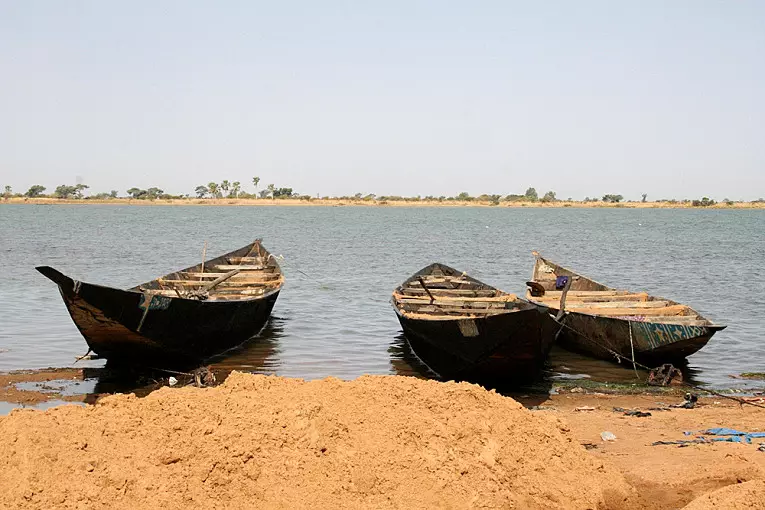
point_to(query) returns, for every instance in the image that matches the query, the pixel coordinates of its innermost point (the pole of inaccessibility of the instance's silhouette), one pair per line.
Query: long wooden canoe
(600, 320)
(464, 329)
(181, 318)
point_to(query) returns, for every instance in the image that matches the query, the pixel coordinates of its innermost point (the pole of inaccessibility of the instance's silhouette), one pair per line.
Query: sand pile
(733, 497)
(256, 441)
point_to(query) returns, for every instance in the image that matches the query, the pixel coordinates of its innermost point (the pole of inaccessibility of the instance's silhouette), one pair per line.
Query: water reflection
(561, 366)
(405, 362)
(259, 355)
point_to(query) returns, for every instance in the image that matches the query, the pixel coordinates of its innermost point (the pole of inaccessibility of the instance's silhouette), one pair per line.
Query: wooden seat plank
(425, 299)
(622, 312)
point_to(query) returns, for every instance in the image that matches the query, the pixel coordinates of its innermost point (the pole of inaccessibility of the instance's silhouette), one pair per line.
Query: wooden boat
(179, 319)
(602, 321)
(464, 329)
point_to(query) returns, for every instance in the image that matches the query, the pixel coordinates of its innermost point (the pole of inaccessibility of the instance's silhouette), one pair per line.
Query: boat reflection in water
(259, 355)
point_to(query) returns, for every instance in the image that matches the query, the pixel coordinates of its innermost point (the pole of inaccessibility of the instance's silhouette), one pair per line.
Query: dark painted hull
(505, 348)
(653, 343)
(173, 332)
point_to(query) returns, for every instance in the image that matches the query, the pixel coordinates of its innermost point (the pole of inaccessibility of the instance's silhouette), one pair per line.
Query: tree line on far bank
(227, 189)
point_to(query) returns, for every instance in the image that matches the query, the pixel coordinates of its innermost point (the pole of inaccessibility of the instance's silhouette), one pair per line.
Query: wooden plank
(451, 292)
(216, 292)
(428, 316)
(241, 276)
(613, 312)
(245, 260)
(557, 293)
(618, 304)
(197, 283)
(643, 296)
(442, 279)
(243, 267)
(498, 299)
(455, 309)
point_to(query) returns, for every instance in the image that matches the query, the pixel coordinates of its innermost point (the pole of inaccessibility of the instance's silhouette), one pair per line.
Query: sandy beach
(375, 442)
(333, 202)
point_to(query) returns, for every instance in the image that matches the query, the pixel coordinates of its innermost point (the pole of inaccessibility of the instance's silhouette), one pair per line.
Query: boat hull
(652, 342)
(140, 328)
(505, 348)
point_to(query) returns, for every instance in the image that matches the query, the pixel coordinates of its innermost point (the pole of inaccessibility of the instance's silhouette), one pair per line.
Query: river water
(333, 317)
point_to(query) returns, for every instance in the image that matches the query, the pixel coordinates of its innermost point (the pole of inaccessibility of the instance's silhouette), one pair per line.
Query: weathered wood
(210, 286)
(443, 316)
(242, 267)
(425, 288)
(231, 283)
(572, 293)
(245, 260)
(623, 312)
(243, 275)
(642, 296)
(619, 304)
(605, 330)
(454, 309)
(498, 299)
(172, 324)
(216, 292)
(451, 292)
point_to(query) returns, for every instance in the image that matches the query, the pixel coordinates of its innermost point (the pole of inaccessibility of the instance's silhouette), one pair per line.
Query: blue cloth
(734, 436)
(560, 282)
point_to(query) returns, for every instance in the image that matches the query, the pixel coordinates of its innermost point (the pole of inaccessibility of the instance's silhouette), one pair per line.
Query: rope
(619, 357)
(632, 347)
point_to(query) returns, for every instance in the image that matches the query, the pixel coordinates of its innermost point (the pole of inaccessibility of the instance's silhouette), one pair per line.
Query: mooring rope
(632, 347)
(619, 357)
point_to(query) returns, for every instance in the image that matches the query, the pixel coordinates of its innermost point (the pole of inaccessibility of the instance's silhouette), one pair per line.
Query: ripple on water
(333, 316)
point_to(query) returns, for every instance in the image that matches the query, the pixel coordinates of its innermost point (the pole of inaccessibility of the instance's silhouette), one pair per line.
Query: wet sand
(641, 476)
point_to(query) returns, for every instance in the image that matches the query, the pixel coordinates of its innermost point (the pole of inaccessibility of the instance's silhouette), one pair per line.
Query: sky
(394, 98)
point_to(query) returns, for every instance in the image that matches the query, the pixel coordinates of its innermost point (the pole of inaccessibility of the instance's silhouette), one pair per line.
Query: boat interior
(439, 292)
(587, 296)
(248, 273)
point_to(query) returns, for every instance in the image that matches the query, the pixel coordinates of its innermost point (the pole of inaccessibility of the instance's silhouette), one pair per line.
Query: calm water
(336, 319)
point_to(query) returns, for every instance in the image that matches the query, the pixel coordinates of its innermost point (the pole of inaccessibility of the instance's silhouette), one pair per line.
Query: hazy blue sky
(393, 97)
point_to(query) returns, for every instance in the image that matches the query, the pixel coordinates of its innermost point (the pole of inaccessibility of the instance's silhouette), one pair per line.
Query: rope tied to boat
(619, 357)
(632, 348)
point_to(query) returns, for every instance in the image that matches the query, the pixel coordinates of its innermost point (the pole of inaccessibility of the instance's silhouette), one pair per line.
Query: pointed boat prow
(56, 276)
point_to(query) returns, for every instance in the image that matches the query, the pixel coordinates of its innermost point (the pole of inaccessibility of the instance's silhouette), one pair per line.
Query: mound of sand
(733, 497)
(256, 441)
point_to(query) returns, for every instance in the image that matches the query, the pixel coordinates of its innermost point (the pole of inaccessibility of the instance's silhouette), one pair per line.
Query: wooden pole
(422, 282)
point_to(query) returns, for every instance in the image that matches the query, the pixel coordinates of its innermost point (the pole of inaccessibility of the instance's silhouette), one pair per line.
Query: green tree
(154, 193)
(704, 202)
(271, 188)
(236, 187)
(8, 192)
(202, 191)
(78, 189)
(464, 196)
(225, 186)
(34, 191)
(531, 195)
(136, 193)
(282, 193)
(263, 193)
(113, 193)
(612, 198)
(645, 196)
(214, 189)
(549, 197)
(255, 181)
(64, 191)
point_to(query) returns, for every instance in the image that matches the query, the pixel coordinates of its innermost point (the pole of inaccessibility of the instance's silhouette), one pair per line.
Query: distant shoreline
(331, 202)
